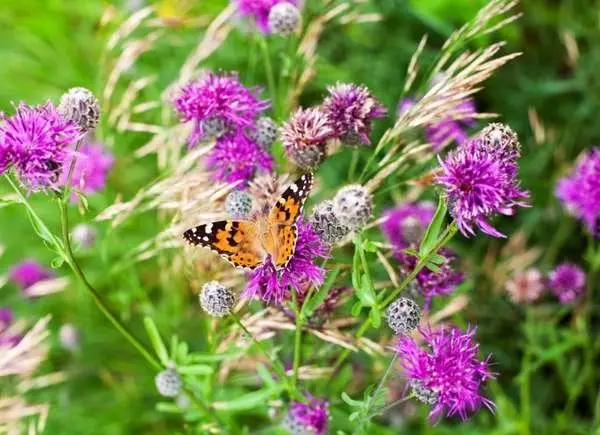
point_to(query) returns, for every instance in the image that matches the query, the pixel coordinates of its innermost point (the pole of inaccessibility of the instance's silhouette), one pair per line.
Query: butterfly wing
(282, 220)
(235, 241)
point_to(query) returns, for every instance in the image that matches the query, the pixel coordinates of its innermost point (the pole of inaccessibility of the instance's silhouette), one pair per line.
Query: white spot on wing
(208, 228)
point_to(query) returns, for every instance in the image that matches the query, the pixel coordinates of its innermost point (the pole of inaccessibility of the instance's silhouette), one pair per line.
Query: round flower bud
(213, 127)
(80, 106)
(216, 299)
(69, 337)
(501, 139)
(168, 383)
(403, 315)
(423, 394)
(84, 235)
(266, 132)
(326, 224)
(353, 205)
(284, 19)
(304, 137)
(238, 204)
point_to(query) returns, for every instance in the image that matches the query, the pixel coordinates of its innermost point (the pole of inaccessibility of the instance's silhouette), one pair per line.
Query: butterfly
(246, 244)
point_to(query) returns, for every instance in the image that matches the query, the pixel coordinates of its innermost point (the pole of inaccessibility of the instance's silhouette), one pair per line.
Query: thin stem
(269, 71)
(64, 219)
(67, 187)
(396, 403)
(297, 338)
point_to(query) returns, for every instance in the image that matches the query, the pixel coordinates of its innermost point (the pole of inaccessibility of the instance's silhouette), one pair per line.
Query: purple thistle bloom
(580, 191)
(259, 10)
(93, 164)
(305, 135)
(307, 418)
(275, 286)
(567, 282)
(218, 97)
(351, 109)
(35, 141)
(405, 224)
(236, 157)
(6, 318)
(448, 366)
(28, 273)
(480, 182)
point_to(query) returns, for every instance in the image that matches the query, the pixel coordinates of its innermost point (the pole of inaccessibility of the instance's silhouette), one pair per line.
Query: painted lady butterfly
(246, 244)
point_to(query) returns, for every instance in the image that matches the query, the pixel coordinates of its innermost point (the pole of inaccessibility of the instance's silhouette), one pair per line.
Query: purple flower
(479, 182)
(305, 135)
(307, 418)
(567, 282)
(93, 164)
(35, 142)
(580, 191)
(236, 157)
(259, 10)
(28, 273)
(273, 285)
(7, 339)
(350, 109)
(448, 367)
(405, 224)
(6, 318)
(220, 98)
(526, 286)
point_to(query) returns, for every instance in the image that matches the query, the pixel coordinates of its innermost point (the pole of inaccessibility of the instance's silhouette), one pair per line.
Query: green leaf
(369, 246)
(317, 299)
(356, 308)
(375, 316)
(356, 267)
(365, 292)
(350, 401)
(196, 369)
(437, 259)
(433, 230)
(411, 251)
(157, 343)
(248, 401)
(433, 267)
(266, 376)
(57, 262)
(199, 357)
(168, 408)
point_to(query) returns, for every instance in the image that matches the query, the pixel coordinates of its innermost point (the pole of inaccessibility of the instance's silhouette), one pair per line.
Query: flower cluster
(480, 180)
(580, 191)
(449, 368)
(35, 143)
(567, 282)
(307, 418)
(92, 165)
(222, 108)
(259, 11)
(274, 286)
(345, 115)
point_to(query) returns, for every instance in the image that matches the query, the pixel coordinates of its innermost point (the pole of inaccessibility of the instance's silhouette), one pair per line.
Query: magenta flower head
(7, 340)
(236, 157)
(35, 142)
(6, 318)
(567, 282)
(305, 137)
(448, 369)
(274, 286)
(406, 224)
(28, 273)
(258, 11)
(218, 103)
(92, 166)
(580, 191)
(307, 418)
(480, 182)
(351, 109)
(525, 287)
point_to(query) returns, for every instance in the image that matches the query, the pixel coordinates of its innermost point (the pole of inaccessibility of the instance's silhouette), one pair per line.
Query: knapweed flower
(168, 383)
(403, 315)
(353, 205)
(28, 273)
(216, 299)
(580, 191)
(447, 366)
(305, 137)
(259, 10)
(91, 169)
(35, 142)
(235, 157)
(218, 99)
(480, 182)
(265, 132)
(84, 235)
(307, 418)
(325, 222)
(238, 204)
(406, 224)
(526, 286)
(351, 109)
(271, 285)
(567, 282)
(7, 339)
(80, 106)
(284, 19)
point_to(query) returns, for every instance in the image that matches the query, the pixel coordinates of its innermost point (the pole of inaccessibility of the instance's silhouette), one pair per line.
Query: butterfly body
(248, 244)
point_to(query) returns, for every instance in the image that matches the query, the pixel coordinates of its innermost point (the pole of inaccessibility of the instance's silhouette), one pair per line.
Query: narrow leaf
(433, 230)
(317, 299)
(248, 401)
(157, 343)
(196, 369)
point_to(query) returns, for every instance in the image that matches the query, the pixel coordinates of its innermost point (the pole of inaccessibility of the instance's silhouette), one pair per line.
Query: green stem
(64, 219)
(396, 403)
(297, 338)
(67, 187)
(270, 75)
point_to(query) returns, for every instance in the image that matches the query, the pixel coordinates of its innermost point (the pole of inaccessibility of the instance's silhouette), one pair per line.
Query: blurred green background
(48, 46)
